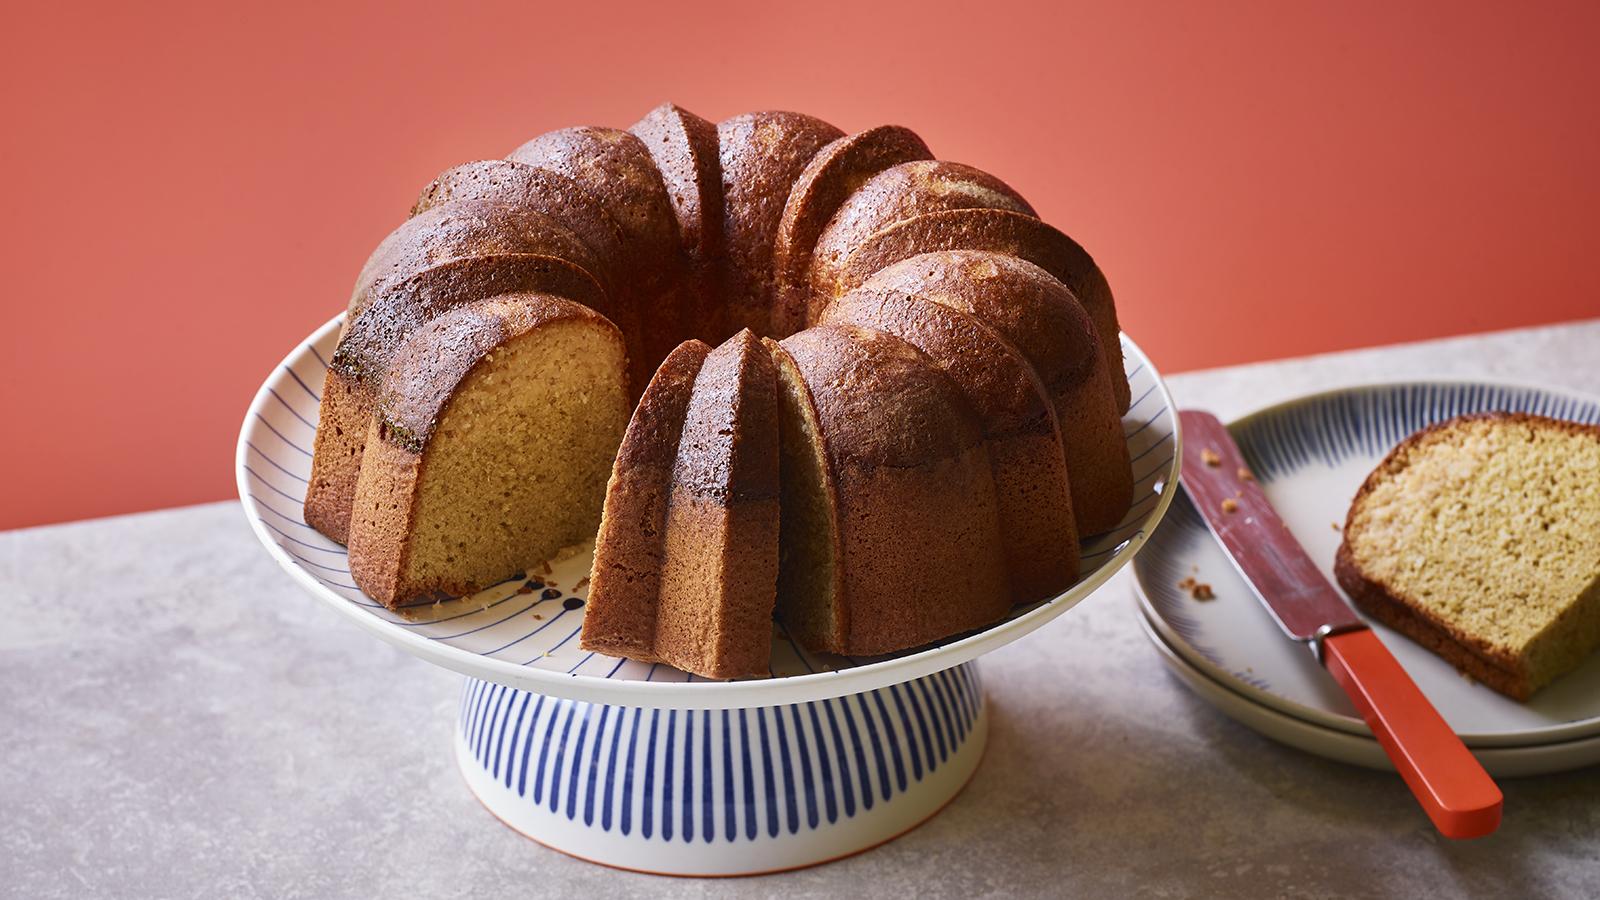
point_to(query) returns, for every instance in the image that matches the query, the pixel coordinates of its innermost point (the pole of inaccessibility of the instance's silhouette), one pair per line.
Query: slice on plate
(1479, 538)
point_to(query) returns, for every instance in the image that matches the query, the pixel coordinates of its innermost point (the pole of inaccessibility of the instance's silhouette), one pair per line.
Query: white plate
(529, 640)
(1336, 744)
(1310, 456)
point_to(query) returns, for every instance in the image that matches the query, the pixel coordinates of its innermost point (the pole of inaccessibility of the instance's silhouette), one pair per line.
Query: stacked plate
(1310, 455)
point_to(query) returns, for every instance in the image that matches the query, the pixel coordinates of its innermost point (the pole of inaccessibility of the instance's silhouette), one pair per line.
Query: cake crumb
(547, 570)
(526, 589)
(582, 583)
(538, 617)
(1210, 457)
(1198, 590)
(1245, 474)
(1230, 505)
(1335, 526)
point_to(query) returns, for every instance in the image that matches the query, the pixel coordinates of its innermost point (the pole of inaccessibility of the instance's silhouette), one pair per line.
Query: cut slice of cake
(1019, 425)
(686, 566)
(1479, 538)
(1008, 233)
(719, 577)
(1035, 313)
(488, 448)
(625, 581)
(890, 535)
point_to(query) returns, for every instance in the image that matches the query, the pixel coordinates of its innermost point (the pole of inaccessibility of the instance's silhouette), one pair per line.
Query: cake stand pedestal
(642, 767)
(722, 791)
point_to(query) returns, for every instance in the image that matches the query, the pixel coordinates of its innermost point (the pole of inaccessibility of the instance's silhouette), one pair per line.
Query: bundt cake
(911, 414)
(687, 558)
(489, 446)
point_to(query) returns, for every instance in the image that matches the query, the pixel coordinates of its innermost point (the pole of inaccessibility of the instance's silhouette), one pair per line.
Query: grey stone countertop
(178, 719)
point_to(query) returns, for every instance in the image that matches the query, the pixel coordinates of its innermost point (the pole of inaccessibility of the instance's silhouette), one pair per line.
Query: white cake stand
(645, 767)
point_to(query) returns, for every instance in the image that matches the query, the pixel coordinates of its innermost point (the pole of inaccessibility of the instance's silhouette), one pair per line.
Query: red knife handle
(1454, 790)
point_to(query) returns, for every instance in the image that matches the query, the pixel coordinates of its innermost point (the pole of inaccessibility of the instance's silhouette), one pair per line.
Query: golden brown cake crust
(625, 580)
(424, 375)
(882, 403)
(1036, 314)
(368, 342)
(729, 449)
(1483, 661)
(762, 155)
(684, 147)
(616, 167)
(427, 367)
(1019, 421)
(719, 578)
(541, 191)
(836, 172)
(917, 519)
(461, 229)
(894, 195)
(1000, 231)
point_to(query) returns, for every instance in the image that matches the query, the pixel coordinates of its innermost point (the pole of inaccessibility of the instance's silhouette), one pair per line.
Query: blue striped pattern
(1368, 422)
(525, 620)
(718, 775)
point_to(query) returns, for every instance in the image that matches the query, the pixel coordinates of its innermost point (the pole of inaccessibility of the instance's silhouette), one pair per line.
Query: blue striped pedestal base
(722, 792)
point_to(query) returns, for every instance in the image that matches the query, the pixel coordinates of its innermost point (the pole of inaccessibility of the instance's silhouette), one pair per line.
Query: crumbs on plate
(1198, 590)
(1210, 457)
(1230, 505)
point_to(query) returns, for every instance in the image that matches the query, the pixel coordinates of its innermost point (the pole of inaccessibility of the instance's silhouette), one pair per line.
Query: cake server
(1454, 790)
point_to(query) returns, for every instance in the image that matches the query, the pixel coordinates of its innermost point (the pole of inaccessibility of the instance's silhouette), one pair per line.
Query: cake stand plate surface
(645, 767)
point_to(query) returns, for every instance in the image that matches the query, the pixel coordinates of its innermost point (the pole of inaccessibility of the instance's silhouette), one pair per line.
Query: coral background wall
(190, 189)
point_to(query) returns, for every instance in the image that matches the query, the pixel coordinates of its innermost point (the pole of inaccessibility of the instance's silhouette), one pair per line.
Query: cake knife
(1454, 790)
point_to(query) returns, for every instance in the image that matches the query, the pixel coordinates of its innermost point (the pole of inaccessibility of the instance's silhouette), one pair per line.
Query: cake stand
(648, 768)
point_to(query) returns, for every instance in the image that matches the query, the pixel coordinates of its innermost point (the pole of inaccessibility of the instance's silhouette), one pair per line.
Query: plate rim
(811, 686)
(1555, 734)
(1502, 761)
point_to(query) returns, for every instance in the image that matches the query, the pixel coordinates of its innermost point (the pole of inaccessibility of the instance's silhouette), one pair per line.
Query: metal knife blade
(1305, 604)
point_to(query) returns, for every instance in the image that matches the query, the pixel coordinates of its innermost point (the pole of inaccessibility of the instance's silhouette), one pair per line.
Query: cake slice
(625, 580)
(686, 567)
(836, 172)
(488, 451)
(719, 581)
(370, 339)
(762, 155)
(1036, 314)
(1479, 538)
(894, 195)
(459, 229)
(1010, 233)
(890, 536)
(1019, 424)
